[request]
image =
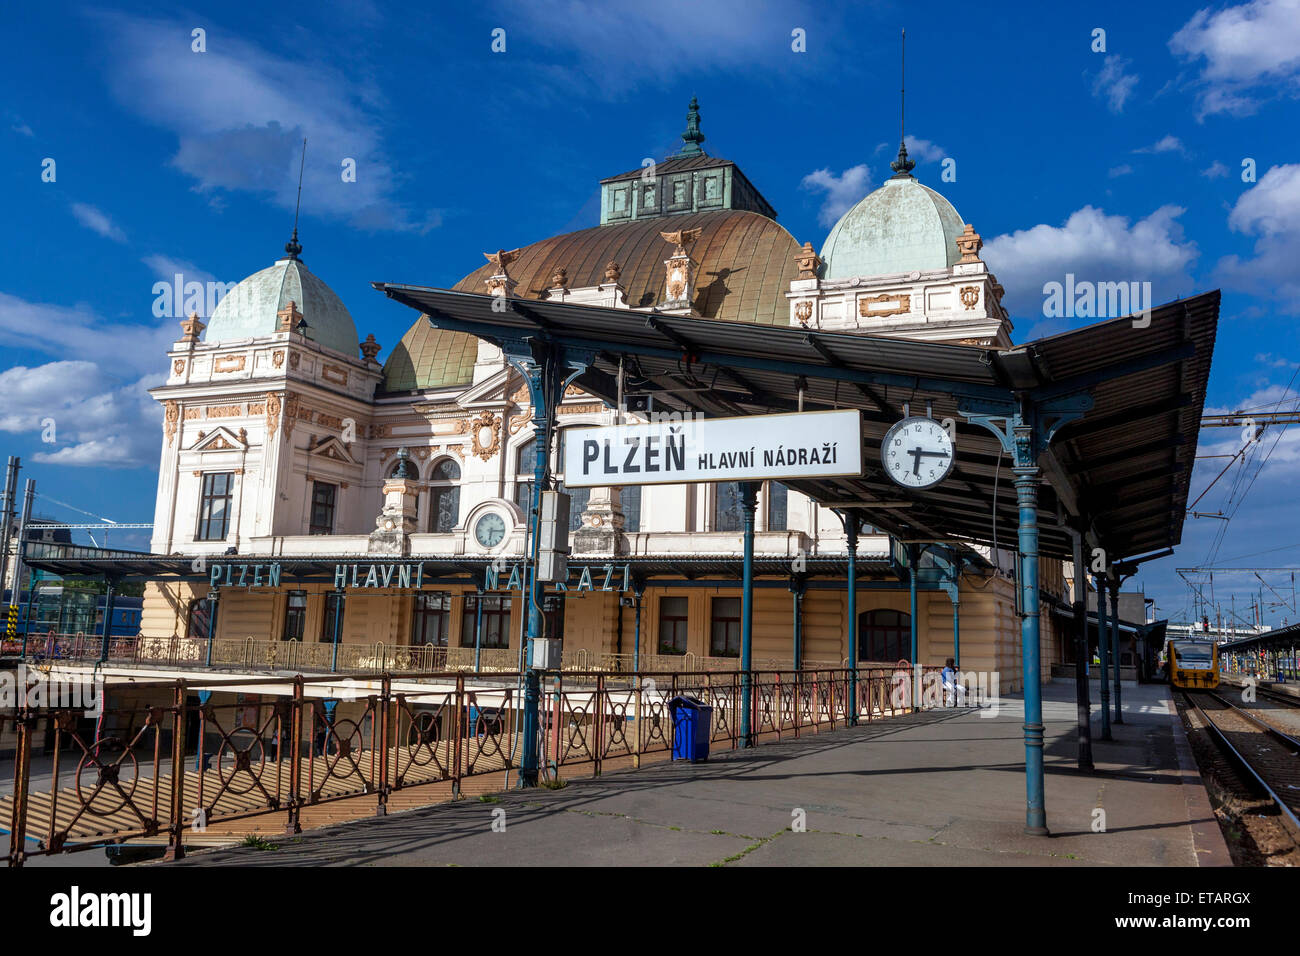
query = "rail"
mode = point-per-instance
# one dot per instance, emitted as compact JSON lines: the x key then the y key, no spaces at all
{"x":206,"y":757}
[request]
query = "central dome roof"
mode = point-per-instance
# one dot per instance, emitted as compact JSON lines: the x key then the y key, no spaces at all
{"x":250,"y":308}
{"x":901,"y":227}
{"x":746,"y":262}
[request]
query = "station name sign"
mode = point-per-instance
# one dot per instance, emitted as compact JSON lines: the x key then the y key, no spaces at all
{"x":752,"y":448}
{"x":410,"y":576}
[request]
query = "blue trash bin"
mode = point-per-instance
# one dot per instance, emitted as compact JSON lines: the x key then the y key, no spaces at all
{"x":692,"y":726}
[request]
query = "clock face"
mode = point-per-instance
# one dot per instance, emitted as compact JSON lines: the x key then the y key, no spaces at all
{"x":490,"y":529}
{"x":917,"y":452}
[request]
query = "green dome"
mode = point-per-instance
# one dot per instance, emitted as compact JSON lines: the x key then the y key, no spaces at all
{"x":250,"y":308}
{"x":901,"y":227}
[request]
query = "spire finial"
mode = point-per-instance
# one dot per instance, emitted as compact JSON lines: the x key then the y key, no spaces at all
{"x":293,"y":247}
{"x":902,"y":166}
{"x":692,"y":137}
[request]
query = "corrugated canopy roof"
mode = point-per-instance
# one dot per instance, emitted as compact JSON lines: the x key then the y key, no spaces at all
{"x":1124,"y":466}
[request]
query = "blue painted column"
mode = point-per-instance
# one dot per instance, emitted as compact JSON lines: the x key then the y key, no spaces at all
{"x":748,"y":502}
{"x":1114,"y":623}
{"x":199,"y":752}
{"x":532,"y":680}
{"x":213,"y":602}
{"x":913,"y":557}
{"x":338,"y":630}
{"x":851,"y":524}
{"x":798,"y":585}
{"x":1103,"y":651}
{"x":1027,"y":480}
{"x":478,"y":633}
{"x":637,"y":593}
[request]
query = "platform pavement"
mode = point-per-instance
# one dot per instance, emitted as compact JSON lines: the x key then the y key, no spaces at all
{"x":940,"y":788}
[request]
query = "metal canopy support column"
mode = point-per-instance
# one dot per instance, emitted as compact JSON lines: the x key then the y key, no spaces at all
{"x":1103,"y":652}
{"x":1025,"y":430}
{"x":638,"y":591}
{"x":851,"y":525}
{"x":748,"y":503}
{"x":1081,"y":692}
{"x":338,"y":630}
{"x":798,"y":585}
{"x":543,"y":364}
{"x":1114,"y":623}
{"x":214,"y":593}
{"x":478,"y":631}
{"x":913,"y":559}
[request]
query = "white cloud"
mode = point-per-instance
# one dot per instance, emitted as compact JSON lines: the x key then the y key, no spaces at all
{"x":1168,"y":144}
{"x":93,"y":420}
{"x":77,"y":333}
{"x":1116,"y":171}
{"x":241,"y":112}
{"x":634,"y":42}
{"x":1270,"y":210}
{"x":1216,"y":170}
{"x":166,"y":268}
{"x":1113,"y":84}
{"x":1245,"y":48}
{"x":1095,"y":247}
{"x":97,"y":221}
{"x":923,"y":150}
{"x":842,"y":191}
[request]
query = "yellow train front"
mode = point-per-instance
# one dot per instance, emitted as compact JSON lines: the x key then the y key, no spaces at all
{"x":1192,"y":665}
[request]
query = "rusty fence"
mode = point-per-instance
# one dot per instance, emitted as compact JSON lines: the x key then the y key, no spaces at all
{"x":200,"y":752}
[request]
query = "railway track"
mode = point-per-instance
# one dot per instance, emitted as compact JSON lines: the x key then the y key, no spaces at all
{"x":1266,"y":757}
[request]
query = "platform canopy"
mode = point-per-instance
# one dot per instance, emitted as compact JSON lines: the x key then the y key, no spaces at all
{"x":1121,"y":471}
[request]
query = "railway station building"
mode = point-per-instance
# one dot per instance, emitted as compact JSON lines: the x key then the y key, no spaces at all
{"x":319,"y":509}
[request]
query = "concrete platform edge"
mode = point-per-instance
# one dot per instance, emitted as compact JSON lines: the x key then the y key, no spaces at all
{"x":1208,"y":845}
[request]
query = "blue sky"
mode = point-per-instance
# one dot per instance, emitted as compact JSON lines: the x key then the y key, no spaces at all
{"x":1122,"y":164}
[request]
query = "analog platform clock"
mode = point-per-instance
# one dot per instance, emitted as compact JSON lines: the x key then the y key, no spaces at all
{"x":490,"y":529}
{"x":917,"y":452}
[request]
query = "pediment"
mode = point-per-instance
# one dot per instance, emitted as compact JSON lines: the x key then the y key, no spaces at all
{"x":221,"y":439}
{"x":333,"y":449}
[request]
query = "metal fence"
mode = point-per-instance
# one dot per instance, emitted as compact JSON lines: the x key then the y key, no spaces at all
{"x":163,"y":770}
{"x":256,"y":654}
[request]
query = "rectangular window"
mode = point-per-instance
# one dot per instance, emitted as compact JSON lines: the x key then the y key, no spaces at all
{"x":724,"y":633}
{"x":214,"y":505}
{"x":553,"y":608}
{"x":629,"y":500}
{"x":672,"y":625}
{"x":432,"y":619}
{"x":496,"y":620}
{"x":295,"y":616}
{"x":727,"y":514}
{"x":777,"y":519}
{"x":335,"y":607}
{"x":323,"y":497}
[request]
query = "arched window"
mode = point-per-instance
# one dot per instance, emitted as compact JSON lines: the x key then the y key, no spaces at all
{"x":884,"y":635}
{"x":198,"y":619}
{"x":444,"y":496}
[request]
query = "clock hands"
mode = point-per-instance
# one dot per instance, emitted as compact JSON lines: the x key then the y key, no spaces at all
{"x":918,"y":453}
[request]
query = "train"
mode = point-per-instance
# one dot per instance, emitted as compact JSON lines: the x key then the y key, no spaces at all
{"x":71,"y":610}
{"x":1192,"y":664}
